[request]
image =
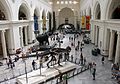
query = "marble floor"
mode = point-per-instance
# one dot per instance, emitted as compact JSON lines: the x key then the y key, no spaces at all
{"x":103,"y":75}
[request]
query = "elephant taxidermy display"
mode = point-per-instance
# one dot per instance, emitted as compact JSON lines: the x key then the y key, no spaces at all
{"x":42,"y":39}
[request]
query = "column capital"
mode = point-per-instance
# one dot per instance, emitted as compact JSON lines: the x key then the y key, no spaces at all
{"x":3,"y":31}
{"x":21,"y":27}
{"x":112,"y":31}
{"x":118,"y":32}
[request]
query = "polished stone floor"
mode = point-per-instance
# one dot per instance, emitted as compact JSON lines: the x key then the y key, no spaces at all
{"x":103,"y":75}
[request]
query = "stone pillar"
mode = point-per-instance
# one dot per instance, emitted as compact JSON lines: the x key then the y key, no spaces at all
{"x":26,"y":36}
{"x":112,"y":38}
{"x":12,"y":43}
{"x":106,"y":42}
{"x":39,"y":26}
{"x":47,"y":25}
{"x":92,"y":33}
{"x":57,"y":21}
{"x":3,"y":43}
{"x":21,"y":36}
{"x":75,"y":23}
{"x":117,"y":56}
{"x":96,"y":36}
{"x":31,"y":32}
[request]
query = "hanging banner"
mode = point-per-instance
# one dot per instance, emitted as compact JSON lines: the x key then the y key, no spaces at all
{"x":44,"y":23}
{"x":87,"y":22}
{"x":35,"y":23}
{"x":83,"y":22}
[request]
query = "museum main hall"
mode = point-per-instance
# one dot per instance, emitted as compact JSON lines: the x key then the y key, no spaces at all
{"x":59,"y":41}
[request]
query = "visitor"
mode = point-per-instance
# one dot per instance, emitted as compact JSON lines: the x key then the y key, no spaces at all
{"x":84,"y":59}
{"x":90,"y":66}
{"x":33,"y":65}
{"x":93,"y":70}
{"x":81,"y":48}
{"x":10,"y":63}
{"x":81,"y":58}
{"x":7,"y":62}
{"x":103,"y":60}
{"x":78,"y":43}
{"x":71,"y":58}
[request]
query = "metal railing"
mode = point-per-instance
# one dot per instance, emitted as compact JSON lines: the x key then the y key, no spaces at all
{"x":14,"y":73}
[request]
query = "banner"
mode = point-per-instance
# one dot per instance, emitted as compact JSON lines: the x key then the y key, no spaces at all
{"x":44,"y":23}
{"x":83,"y":22}
{"x":87,"y":22}
{"x":35,"y":23}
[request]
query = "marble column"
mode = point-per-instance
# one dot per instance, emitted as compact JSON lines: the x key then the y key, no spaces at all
{"x":57,"y":21}
{"x":91,"y":33}
{"x":94,"y":34}
{"x":96,"y":37}
{"x":117,"y":56}
{"x":26,"y":36}
{"x":3,"y":43}
{"x":39,"y":26}
{"x":75,"y":23}
{"x":21,"y":36}
{"x":112,"y":38}
{"x":47,"y":25}
{"x":106,"y":42}
{"x":31,"y":32}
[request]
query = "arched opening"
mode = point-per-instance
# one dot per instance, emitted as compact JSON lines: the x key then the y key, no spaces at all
{"x":116,"y":13}
{"x":22,"y":15}
{"x":98,"y":12}
{"x":66,"y":15}
{"x":23,"y":30}
{"x":5,"y":15}
{"x":5,"y":12}
{"x":113,"y":9}
{"x":2,"y":15}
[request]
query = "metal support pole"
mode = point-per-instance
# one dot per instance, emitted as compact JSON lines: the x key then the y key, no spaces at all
{"x":26,"y":72}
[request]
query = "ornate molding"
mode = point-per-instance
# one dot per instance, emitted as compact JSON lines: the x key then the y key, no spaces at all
{"x":110,"y":24}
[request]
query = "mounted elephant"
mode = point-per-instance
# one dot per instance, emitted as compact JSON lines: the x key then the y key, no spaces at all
{"x":42,"y":39}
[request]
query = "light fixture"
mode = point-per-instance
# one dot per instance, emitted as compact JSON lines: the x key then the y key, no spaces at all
{"x":62,"y":2}
{"x":58,"y":2}
{"x":50,"y":2}
{"x":70,"y":2}
{"x":58,"y":9}
{"x":75,"y":2}
{"x":66,"y":2}
{"x":72,"y":9}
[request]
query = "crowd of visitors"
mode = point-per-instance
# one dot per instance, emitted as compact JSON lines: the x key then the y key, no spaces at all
{"x":75,"y":44}
{"x":115,"y":72}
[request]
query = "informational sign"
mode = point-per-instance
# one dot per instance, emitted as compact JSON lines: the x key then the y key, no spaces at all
{"x":88,"y":22}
